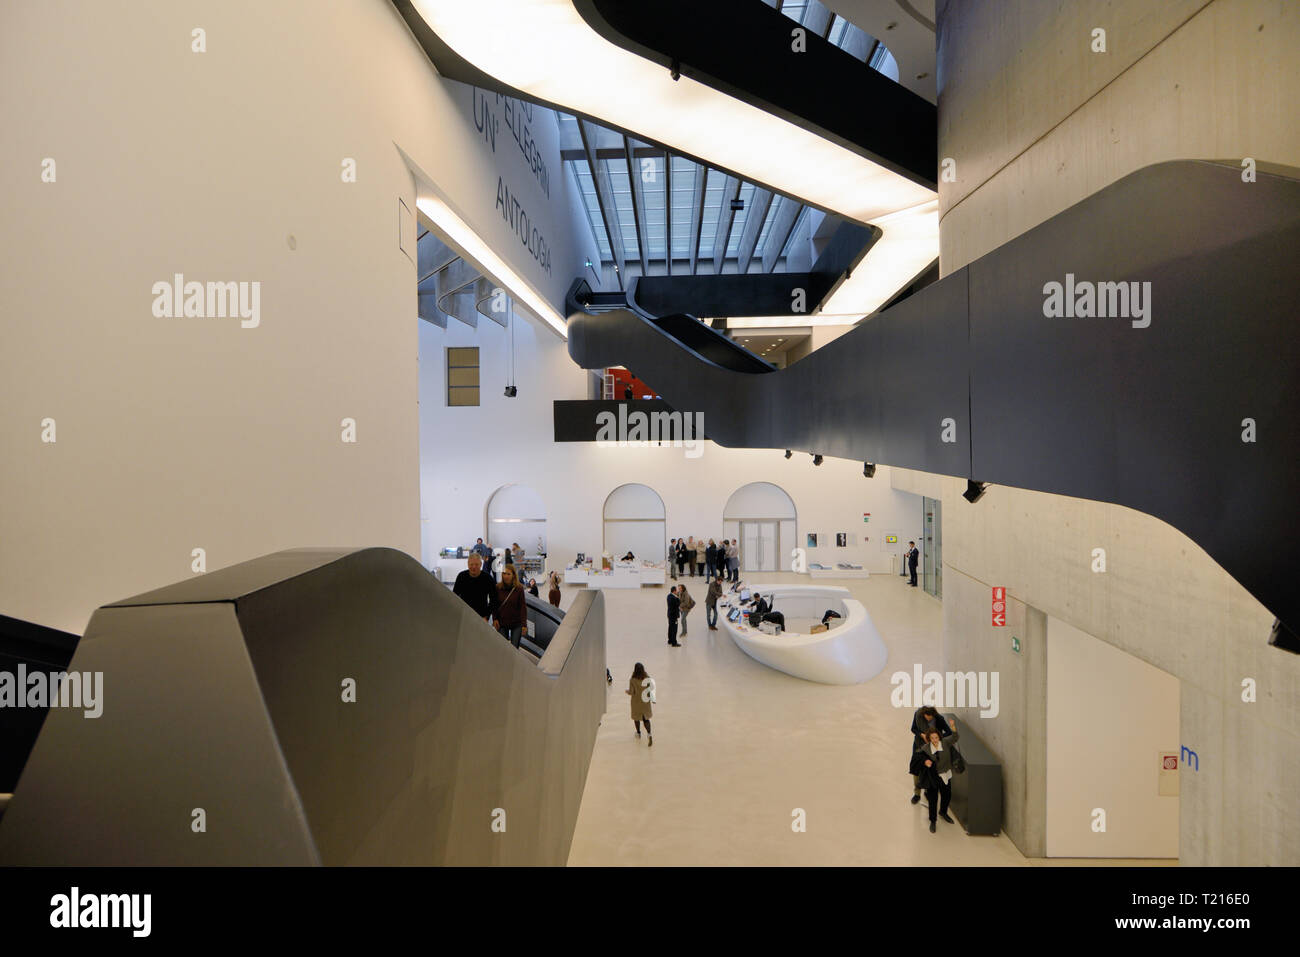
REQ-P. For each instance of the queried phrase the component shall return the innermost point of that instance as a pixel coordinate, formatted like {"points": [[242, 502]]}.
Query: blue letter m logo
{"points": [[1189, 757]]}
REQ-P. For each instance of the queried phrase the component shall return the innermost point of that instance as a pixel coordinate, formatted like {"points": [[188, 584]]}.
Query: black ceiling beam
{"points": [[604, 198], [638, 204]]}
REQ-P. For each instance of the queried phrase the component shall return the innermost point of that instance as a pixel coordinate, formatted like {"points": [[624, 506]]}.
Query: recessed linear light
{"points": [[547, 51]]}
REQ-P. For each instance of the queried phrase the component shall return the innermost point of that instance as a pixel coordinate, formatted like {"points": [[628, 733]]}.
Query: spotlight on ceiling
{"points": [[974, 490], [868, 469], [511, 392], [788, 453], [817, 460]]}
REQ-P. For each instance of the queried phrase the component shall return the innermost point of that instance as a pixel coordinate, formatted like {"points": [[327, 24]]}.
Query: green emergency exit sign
{"points": [[1015, 644]]}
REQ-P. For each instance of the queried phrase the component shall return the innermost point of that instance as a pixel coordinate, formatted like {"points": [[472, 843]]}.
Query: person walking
{"points": [[642, 689], [700, 551], [913, 556], [476, 589], [711, 602], [553, 595], [733, 562], [672, 559], [674, 612], [687, 603], [512, 615], [926, 719], [934, 764]]}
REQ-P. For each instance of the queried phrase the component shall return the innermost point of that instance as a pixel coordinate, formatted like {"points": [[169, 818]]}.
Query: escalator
{"points": [[314, 706]]}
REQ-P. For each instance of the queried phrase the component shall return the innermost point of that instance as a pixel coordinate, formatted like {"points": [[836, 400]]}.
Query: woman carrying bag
{"points": [[642, 689], [512, 615], [687, 604]]}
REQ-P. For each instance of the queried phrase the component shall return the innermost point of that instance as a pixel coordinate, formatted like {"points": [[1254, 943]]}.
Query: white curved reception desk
{"points": [[849, 652]]}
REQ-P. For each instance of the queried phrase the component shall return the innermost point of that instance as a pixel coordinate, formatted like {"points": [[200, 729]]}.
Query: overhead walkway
{"points": [[314, 706], [971, 376]]}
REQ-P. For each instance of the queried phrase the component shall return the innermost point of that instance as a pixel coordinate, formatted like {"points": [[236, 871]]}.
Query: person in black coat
{"points": [[711, 559], [674, 612], [477, 589], [913, 556], [933, 766], [681, 557], [926, 719]]}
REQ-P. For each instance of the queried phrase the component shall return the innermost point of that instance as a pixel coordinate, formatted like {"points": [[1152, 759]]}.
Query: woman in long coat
{"points": [[642, 687]]}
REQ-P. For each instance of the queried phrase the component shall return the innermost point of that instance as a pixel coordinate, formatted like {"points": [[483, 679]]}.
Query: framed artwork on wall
{"points": [[841, 539], [812, 539]]}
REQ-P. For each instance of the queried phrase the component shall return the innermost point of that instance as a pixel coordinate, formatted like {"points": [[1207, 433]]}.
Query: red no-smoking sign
{"points": [[999, 607]]}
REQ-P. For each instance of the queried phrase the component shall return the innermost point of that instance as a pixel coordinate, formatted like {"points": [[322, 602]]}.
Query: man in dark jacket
{"points": [[711, 560], [674, 612], [913, 555], [926, 719], [476, 589], [681, 556], [933, 765]]}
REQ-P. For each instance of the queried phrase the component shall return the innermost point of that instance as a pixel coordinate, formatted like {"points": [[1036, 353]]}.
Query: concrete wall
{"points": [[225, 165], [468, 453], [1110, 717], [1037, 122]]}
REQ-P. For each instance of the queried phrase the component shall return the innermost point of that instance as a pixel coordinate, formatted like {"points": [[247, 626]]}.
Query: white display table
{"points": [[833, 572], [622, 575], [850, 652]]}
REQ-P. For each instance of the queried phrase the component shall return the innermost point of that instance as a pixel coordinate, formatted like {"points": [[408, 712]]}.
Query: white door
{"points": [[758, 546]]}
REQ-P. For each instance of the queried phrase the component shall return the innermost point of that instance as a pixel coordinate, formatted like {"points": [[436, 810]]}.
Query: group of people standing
{"points": [[689, 556], [501, 604]]}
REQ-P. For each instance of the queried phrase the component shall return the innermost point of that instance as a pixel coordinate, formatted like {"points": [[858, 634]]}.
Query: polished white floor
{"points": [[738, 747]]}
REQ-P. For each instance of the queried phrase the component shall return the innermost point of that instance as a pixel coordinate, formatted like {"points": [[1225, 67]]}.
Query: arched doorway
{"points": [[634, 519], [516, 513], [761, 517]]}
